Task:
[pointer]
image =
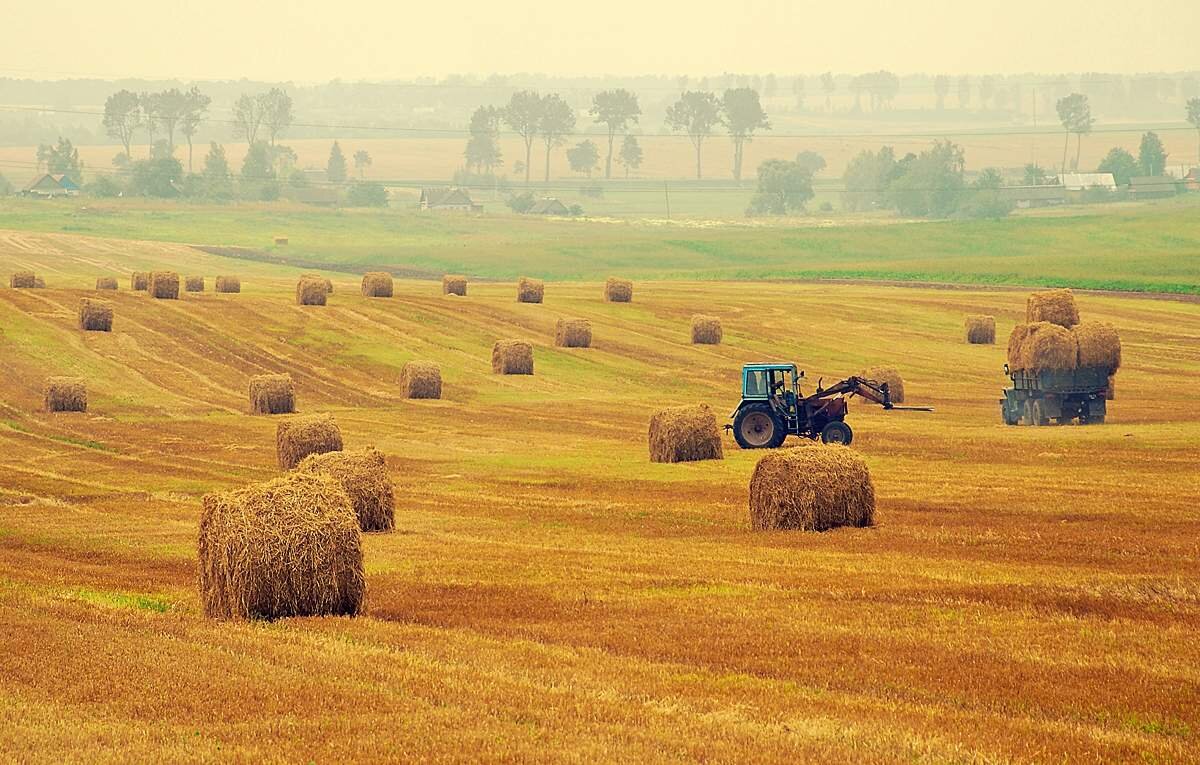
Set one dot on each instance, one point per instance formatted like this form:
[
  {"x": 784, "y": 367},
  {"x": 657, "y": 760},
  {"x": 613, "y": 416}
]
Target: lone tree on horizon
[
  {"x": 524, "y": 114},
  {"x": 742, "y": 114},
  {"x": 1076, "y": 116},
  {"x": 1193, "y": 116},
  {"x": 615, "y": 109},
  {"x": 696, "y": 113}
]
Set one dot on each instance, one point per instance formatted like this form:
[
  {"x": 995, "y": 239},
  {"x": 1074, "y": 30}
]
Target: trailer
[{"x": 1056, "y": 395}]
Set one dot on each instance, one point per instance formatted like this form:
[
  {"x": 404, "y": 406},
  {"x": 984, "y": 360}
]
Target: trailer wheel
[
  {"x": 1035, "y": 413},
  {"x": 837, "y": 432},
  {"x": 757, "y": 427}
]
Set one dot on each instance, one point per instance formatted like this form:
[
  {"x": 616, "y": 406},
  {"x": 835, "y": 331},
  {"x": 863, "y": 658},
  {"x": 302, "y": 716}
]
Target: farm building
[
  {"x": 47, "y": 186},
  {"x": 1036, "y": 196},
  {"x": 448, "y": 199},
  {"x": 548, "y": 206},
  {"x": 1152, "y": 186},
  {"x": 317, "y": 196},
  {"x": 1085, "y": 181}
]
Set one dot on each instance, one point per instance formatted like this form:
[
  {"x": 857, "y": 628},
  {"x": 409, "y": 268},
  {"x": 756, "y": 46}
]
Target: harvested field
[
  {"x": 1054, "y": 306},
  {"x": 65, "y": 394},
  {"x": 889, "y": 375},
  {"x": 706, "y": 330},
  {"x": 311, "y": 291},
  {"x": 421, "y": 379},
  {"x": 530, "y": 290},
  {"x": 228, "y": 284},
  {"x": 685, "y": 434},
  {"x": 272, "y": 394},
  {"x": 454, "y": 284},
  {"x": 618, "y": 290},
  {"x": 811, "y": 488},
  {"x": 95, "y": 315},
  {"x": 364, "y": 477},
  {"x": 106, "y": 283},
  {"x": 164, "y": 285},
  {"x": 193, "y": 284},
  {"x": 981, "y": 330},
  {"x": 512, "y": 357},
  {"x": 375, "y": 284},
  {"x": 573, "y": 333},
  {"x": 298, "y": 437}
]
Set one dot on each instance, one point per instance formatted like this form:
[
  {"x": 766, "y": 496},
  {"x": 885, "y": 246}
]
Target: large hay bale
[
  {"x": 1099, "y": 345},
  {"x": 310, "y": 291},
  {"x": 421, "y": 379},
  {"x": 981, "y": 330},
  {"x": 299, "y": 437},
  {"x": 375, "y": 284},
  {"x": 454, "y": 284},
  {"x": 272, "y": 394},
  {"x": 1016, "y": 339},
  {"x": 281, "y": 241},
  {"x": 228, "y": 284},
  {"x": 573, "y": 333},
  {"x": 512, "y": 357},
  {"x": 106, "y": 283},
  {"x": 685, "y": 434},
  {"x": 618, "y": 290},
  {"x": 65, "y": 394},
  {"x": 95, "y": 315},
  {"x": 287, "y": 547},
  {"x": 1043, "y": 345},
  {"x": 139, "y": 281},
  {"x": 812, "y": 488},
  {"x": 530, "y": 290},
  {"x": 889, "y": 375},
  {"x": 706, "y": 330},
  {"x": 23, "y": 280},
  {"x": 1054, "y": 306},
  {"x": 164, "y": 285},
  {"x": 193, "y": 284},
  {"x": 364, "y": 477}
]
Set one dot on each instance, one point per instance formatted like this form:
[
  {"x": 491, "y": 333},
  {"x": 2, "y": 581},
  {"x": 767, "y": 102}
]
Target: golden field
[{"x": 1027, "y": 595}]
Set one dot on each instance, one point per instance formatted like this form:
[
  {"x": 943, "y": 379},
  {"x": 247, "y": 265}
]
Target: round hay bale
[
  {"x": 193, "y": 284},
  {"x": 573, "y": 333},
  {"x": 706, "y": 330},
  {"x": 812, "y": 488},
  {"x": 512, "y": 357},
  {"x": 421, "y": 379},
  {"x": 299, "y": 437},
  {"x": 281, "y": 241},
  {"x": 1054, "y": 306},
  {"x": 310, "y": 291},
  {"x": 228, "y": 284},
  {"x": 364, "y": 477},
  {"x": 164, "y": 285},
  {"x": 454, "y": 284},
  {"x": 1015, "y": 339},
  {"x": 95, "y": 315},
  {"x": 375, "y": 284},
  {"x": 287, "y": 547},
  {"x": 618, "y": 290},
  {"x": 981, "y": 330},
  {"x": 65, "y": 394},
  {"x": 889, "y": 375},
  {"x": 1099, "y": 345},
  {"x": 530, "y": 290},
  {"x": 1047, "y": 346},
  {"x": 106, "y": 283},
  {"x": 272, "y": 394},
  {"x": 139, "y": 281},
  {"x": 23, "y": 280},
  {"x": 685, "y": 434}
]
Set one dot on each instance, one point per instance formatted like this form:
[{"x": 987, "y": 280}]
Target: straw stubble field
[{"x": 549, "y": 594}]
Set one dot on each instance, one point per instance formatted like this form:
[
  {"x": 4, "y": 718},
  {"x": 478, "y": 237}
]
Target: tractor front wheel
[
  {"x": 757, "y": 427},
  {"x": 837, "y": 432}
]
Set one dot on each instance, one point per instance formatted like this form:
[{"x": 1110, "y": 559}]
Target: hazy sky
[{"x": 319, "y": 40}]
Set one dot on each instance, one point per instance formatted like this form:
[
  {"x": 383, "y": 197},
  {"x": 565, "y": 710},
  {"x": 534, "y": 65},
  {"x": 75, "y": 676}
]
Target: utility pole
[{"x": 667, "y": 192}]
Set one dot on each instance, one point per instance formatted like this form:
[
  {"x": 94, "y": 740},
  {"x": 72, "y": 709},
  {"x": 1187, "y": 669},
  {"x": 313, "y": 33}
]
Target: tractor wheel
[
  {"x": 1035, "y": 413},
  {"x": 837, "y": 432},
  {"x": 757, "y": 427}
]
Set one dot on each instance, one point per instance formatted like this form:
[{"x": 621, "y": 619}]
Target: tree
[
  {"x": 1193, "y": 116},
  {"x": 867, "y": 177},
  {"x": 216, "y": 166},
  {"x": 61, "y": 159},
  {"x": 829, "y": 85},
  {"x": 584, "y": 157},
  {"x": 275, "y": 110},
  {"x": 6, "y": 186},
  {"x": 697, "y": 113},
  {"x": 197, "y": 105},
  {"x": 168, "y": 108},
  {"x": 123, "y": 117},
  {"x": 986, "y": 198},
  {"x": 257, "y": 165},
  {"x": 964, "y": 92},
  {"x": 335, "y": 168},
  {"x": 1035, "y": 175},
  {"x": 247, "y": 118},
  {"x": 1076, "y": 116},
  {"x": 156, "y": 177},
  {"x": 483, "y": 147},
  {"x": 931, "y": 184},
  {"x": 524, "y": 115},
  {"x": 367, "y": 194},
  {"x": 783, "y": 187},
  {"x": 631, "y": 154},
  {"x": 941, "y": 88},
  {"x": 1152, "y": 156},
  {"x": 615, "y": 109},
  {"x": 150, "y": 103},
  {"x": 556, "y": 123},
  {"x": 362, "y": 160},
  {"x": 742, "y": 114},
  {"x": 811, "y": 161},
  {"x": 1121, "y": 164}
]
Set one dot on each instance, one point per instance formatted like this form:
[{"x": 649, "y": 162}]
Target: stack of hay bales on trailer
[
  {"x": 375, "y": 284},
  {"x": 421, "y": 379},
  {"x": 299, "y": 437},
  {"x": 272, "y": 394},
  {"x": 1054, "y": 306},
  {"x": 65, "y": 394},
  {"x": 311, "y": 291},
  {"x": 573, "y": 333},
  {"x": 530, "y": 290},
  {"x": 363, "y": 476},
  {"x": 193, "y": 284},
  {"x": 618, "y": 290},
  {"x": 811, "y": 488},
  {"x": 981, "y": 330},
  {"x": 95, "y": 315},
  {"x": 512, "y": 357},
  {"x": 228, "y": 284},
  {"x": 706, "y": 330},
  {"x": 685, "y": 434},
  {"x": 454, "y": 284},
  {"x": 889, "y": 375},
  {"x": 164, "y": 285},
  {"x": 106, "y": 283}
]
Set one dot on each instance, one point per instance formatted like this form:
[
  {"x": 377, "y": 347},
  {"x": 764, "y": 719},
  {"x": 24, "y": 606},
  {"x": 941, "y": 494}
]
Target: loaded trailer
[{"x": 1056, "y": 395}]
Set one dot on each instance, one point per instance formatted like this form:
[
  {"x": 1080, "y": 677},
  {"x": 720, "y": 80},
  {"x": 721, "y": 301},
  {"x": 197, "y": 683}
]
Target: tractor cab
[{"x": 778, "y": 384}]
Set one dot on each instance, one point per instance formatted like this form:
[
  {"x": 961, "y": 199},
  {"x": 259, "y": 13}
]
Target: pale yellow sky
[{"x": 319, "y": 40}]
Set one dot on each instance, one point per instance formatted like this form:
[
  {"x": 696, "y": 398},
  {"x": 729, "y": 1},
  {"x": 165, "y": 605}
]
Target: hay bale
[
  {"x": 573, "y": 333},
  {"x": 364, "y": 477},
  {"x": 618, "y": 290},
  {"x": 1110, "y": 390},
  {"x": 193, "y": 284},
  {"x": 272, "y": 394},
  {"x": 889, "y": 375},
  {"x": 375, "y": 284},
  {"x": 164, "y": 285},
  {"x": 65, "y": 394},
  {"x": 1016, "y": 339},
  {"x": 139, "y": 281},
  {"x": 512, "y": 357},
  {"x": 39, "y": 283},
  {"x": 706, "y": 330},
  {"x": 421, "y": 379},
  {"x": 299, "y": 437},
  {"x": 95, "y": 315},
  {"x": 685, "y": 434},
  {"x": 454, "y": 284},
  {"x": 281, "y": 241},
  {"x": 1043, "y": 345},
  {"x": 287, "y": 547},
  {"x": 811, "y": 488},
  {"x": 1054, "y": 306},
  {"x": 23, "y": 280},
  {"x": 106, "y": 283},
  {"x": 228, "y": 284},
  {"x": 323, "y": 279},
  {"x": 530, "y": 290},
  {"x": 1099, "y": 345},
  {"x": 981, "y": 330},
  {"x": 310, "y": 291}
]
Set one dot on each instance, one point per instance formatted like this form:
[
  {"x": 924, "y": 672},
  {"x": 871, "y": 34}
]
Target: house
[
  {"x": 448, "y": 199},
  {"x": 1085, "y": 181},
  {"x": 1152, "y": 186},
  {"x": 549, "y": 206},
  {"x": 1028, "y": 197},
  {"x": 317, "y": 196},
  {"x": 48, "y": 186}
]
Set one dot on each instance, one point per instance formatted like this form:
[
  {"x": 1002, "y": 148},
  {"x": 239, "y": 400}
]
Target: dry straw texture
[
  {"x": 310, "y": 291},
  {"x": 228, "y": 284},
  {"x": 39, "y": 283},
  {"x": 299, "y": 437},
  {"x": 981, "y": 330},
  {"x": 272, "y": 394},
  {"x": 1054, "y": 306},
  {"x": 66, "y": 394},
  {"x": 106, "y": 283},
  {"x": 375, "y": 284},
  {"x": 706, "y": 330},
  {"x": 288, "y": 547},
  {"x": 685, "y": 434},
  {"x": 573, "y": 333},
  {"x": 364, "y": 477},
  {"x": 1042, "y": 345},
  {"x": 812, "y": 488},
  {"x": 23, "y": 280},
  {"x": 139, "y": 281},
  {"x": 164, "y": 285},
  {"x": 530, "y": 290},
  {"x": 618, "y": 290},
  {"x": 95, "y": 315},
  {"x": 454, "y": 284},
  {"x": 889, "y": 375},
  {"x": 421, "y": 379},
  {"x": 512, "y": 357},
  {"x": 193, "y": 284},
  {"x": 1099, "y": 345}
]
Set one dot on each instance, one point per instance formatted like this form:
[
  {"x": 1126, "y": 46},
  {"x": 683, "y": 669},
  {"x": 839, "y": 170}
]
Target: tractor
[{"x": 773, "y": 407}]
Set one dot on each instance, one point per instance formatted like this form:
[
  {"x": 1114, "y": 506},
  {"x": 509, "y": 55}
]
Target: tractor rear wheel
[
  {"x": 757, "y": 427},
  {"x": 837, "y": 432}
]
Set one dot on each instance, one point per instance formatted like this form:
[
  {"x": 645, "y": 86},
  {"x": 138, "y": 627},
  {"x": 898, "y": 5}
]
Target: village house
[
  {"x": 49, "y": 186},
  {"x": 448, "y": 199}
]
